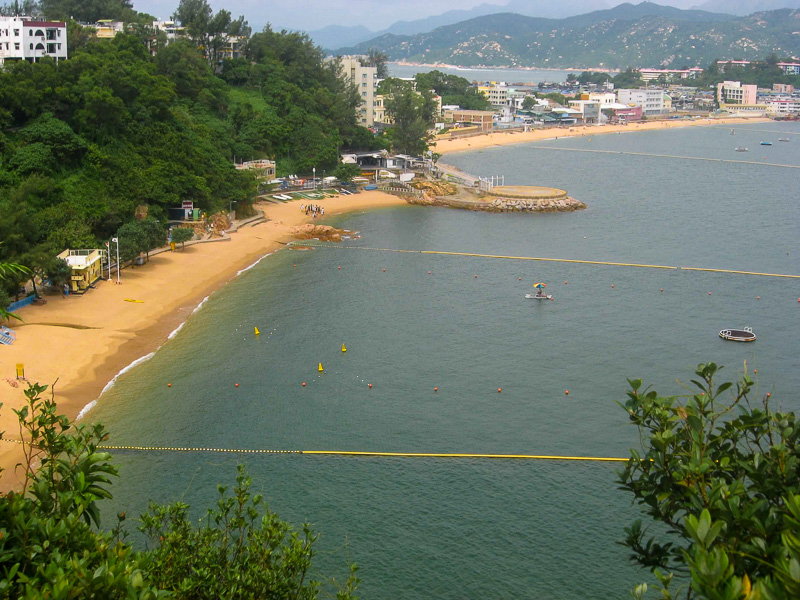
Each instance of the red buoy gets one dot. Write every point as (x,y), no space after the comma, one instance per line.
(384,270)
(236,384)
(429,272)
(709,293)
(566,392)
(370,385)
(662,289)
(768,394)
(758,297)
(304,384)
(340,268)
(499,390)
(169,385)
(565,283)
(436,389)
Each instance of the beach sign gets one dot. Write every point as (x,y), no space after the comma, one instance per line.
(20,371)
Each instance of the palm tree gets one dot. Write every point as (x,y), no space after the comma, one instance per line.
(7,269)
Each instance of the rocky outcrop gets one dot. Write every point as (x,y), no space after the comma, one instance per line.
(539,205)
(324,233)
(492,204)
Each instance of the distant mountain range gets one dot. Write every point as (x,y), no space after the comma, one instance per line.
(746,7)
(336,36)
(643,35)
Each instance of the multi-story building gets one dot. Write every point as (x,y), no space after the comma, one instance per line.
(22,38)
(496,93)
(790,68)
(784,106)
(651,100)
(669,74)
(107,28)
(589,110)
(366,81)
(733,92)
(783,88)
(604,99)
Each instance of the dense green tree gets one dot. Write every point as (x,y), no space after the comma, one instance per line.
(720,469)
(376,58)
(154,233)
(411,114)
(181,235)
(453,90)
(133,241)
(628,79)
(58,272)
(87,11)
(345,172)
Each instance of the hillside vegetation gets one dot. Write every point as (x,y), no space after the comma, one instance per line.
(646,35)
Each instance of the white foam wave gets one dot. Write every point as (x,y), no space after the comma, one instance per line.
(199,306)
(177,329)
(85,410)
(253,265)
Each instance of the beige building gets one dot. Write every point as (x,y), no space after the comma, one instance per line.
(733,92)
(479,118)
(366,81)
(86,265)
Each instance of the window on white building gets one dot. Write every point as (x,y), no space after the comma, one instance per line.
(16,46)
(16,32)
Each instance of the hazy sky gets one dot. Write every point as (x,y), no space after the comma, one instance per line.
(314,14)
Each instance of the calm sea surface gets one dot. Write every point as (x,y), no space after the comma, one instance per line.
(488,74)
(477,529)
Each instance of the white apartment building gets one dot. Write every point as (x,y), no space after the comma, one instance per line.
(651,101)
(784,106)
(366,80)
(22,38)
(604,99)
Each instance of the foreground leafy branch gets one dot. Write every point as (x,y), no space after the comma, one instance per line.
(50,546)
(720,470)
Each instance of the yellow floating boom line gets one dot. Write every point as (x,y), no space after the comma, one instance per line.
(740,272)
(561,260)
(357,453)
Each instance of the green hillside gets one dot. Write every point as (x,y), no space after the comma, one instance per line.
(641,36)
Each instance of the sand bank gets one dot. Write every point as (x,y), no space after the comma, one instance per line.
(84,341)
(506,138)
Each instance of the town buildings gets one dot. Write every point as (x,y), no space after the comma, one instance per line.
(23,38)
(733,92)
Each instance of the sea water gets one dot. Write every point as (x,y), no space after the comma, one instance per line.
(478,528)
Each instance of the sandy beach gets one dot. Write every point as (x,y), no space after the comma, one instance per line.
(515,137)
(84,341)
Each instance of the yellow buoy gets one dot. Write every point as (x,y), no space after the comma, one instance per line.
(343,348)
(257,331)
(320,368)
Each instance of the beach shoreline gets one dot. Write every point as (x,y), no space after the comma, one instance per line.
(506,138)
(85,342)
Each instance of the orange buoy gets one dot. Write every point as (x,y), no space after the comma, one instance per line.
(565,283)
(429,272)
(384,270)
(370,385)
(476,276)
(436,389)
(169,385)
(304,384)
(612,285)
(758,297)
(755,370)
(709,293)
(768,394)
(662,289)
(520,278)
(566,392)
(499,390)
(236,384)
(294,265)
(340,268)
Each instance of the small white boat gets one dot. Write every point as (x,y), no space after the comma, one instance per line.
(538,297)
(738,335)
(783,140)
(742,149)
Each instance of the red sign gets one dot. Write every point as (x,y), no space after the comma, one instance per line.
(187,204)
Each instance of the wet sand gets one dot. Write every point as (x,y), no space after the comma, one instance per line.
(84,341)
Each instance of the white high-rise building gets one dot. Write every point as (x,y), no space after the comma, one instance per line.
(23,38)
(651,100)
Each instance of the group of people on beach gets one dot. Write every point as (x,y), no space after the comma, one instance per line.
(312,209)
